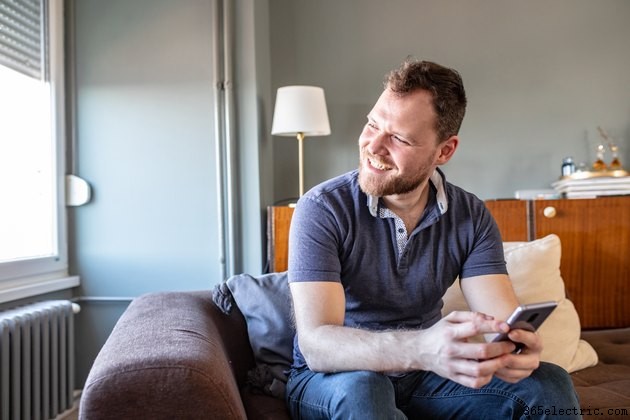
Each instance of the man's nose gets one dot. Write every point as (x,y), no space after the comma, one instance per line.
(377,144)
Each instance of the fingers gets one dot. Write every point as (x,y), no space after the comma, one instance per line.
(531,341)
(508,367)
(455,330)
(478,351)
(464,316)
(520,366)
(472,373)
(464,325)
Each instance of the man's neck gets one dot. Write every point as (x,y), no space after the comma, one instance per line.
(410,206)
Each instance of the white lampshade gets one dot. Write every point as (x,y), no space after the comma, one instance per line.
(300,109)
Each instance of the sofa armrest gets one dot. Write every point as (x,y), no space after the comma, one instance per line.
(168,357)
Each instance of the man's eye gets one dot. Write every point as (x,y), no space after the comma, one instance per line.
(399,140)
(371,125)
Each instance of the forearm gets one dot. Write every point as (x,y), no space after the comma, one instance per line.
(491,294)
(333,348)
(328,346)
(442,348)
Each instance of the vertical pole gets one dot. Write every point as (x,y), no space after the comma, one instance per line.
(225,137)
(219,94)
(300,137)
(231,166)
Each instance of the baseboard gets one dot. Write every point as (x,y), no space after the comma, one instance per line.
(73,412)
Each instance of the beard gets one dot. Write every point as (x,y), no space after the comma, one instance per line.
(388,183)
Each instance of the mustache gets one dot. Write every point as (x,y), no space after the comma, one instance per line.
(377,159)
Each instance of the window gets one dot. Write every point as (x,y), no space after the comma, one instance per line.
(32,211)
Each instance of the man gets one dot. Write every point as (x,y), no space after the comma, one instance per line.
(373,251)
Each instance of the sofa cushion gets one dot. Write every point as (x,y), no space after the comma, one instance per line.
(605,388)
(534,269)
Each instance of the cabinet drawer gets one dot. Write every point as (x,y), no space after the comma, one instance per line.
(511,217)
(595,265)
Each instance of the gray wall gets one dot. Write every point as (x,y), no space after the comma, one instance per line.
(540,75)
(145,142)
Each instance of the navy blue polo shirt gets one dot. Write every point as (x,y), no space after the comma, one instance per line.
(392,278)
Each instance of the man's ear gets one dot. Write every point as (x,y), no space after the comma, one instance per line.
(447,149)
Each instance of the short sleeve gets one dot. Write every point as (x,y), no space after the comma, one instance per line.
(314,242)
(486,255)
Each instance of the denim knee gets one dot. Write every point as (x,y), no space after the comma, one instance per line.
(344,395)
(360,394)
(551,385)
(365,386)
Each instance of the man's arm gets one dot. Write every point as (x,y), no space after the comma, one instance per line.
(328,346)
(494,295)
(490,294)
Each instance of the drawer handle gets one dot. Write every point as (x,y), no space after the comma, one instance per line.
(550,212)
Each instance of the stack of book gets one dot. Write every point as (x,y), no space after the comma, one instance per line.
(593,184)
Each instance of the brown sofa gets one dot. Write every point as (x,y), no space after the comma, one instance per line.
(176,355)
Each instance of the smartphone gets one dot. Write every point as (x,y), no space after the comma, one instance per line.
(527,317)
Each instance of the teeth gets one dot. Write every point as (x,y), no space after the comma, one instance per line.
(378,165)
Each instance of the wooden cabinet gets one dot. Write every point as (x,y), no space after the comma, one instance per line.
(595,236)
(278,224)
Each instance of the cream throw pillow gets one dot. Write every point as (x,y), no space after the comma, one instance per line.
(534,269)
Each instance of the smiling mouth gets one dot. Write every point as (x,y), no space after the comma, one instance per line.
(377,165)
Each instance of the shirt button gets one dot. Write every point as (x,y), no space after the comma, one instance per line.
(401,230)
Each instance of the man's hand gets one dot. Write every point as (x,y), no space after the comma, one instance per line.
(472,364)
(521,365)
(494,294)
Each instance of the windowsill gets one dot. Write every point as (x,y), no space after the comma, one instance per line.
(14,290)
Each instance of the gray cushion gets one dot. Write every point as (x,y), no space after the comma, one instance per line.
(265,302)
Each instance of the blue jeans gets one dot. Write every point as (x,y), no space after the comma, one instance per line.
(547,393)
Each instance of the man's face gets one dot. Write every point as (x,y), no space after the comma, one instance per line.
(398,146)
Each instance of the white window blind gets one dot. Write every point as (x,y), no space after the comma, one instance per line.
(23,45)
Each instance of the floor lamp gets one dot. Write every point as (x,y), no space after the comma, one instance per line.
(300,111)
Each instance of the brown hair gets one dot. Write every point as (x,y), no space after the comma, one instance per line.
(444,84)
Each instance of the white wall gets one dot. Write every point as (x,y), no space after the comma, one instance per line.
(540,76)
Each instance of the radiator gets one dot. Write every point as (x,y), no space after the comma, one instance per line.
(37,360)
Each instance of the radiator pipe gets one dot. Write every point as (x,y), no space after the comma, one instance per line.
(231,168)
(225,147)
(218,133)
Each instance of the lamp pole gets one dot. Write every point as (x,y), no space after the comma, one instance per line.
(300,138)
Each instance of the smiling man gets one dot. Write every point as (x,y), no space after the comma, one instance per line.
(371,254)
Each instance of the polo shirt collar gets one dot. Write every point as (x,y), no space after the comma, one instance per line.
(439,182)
